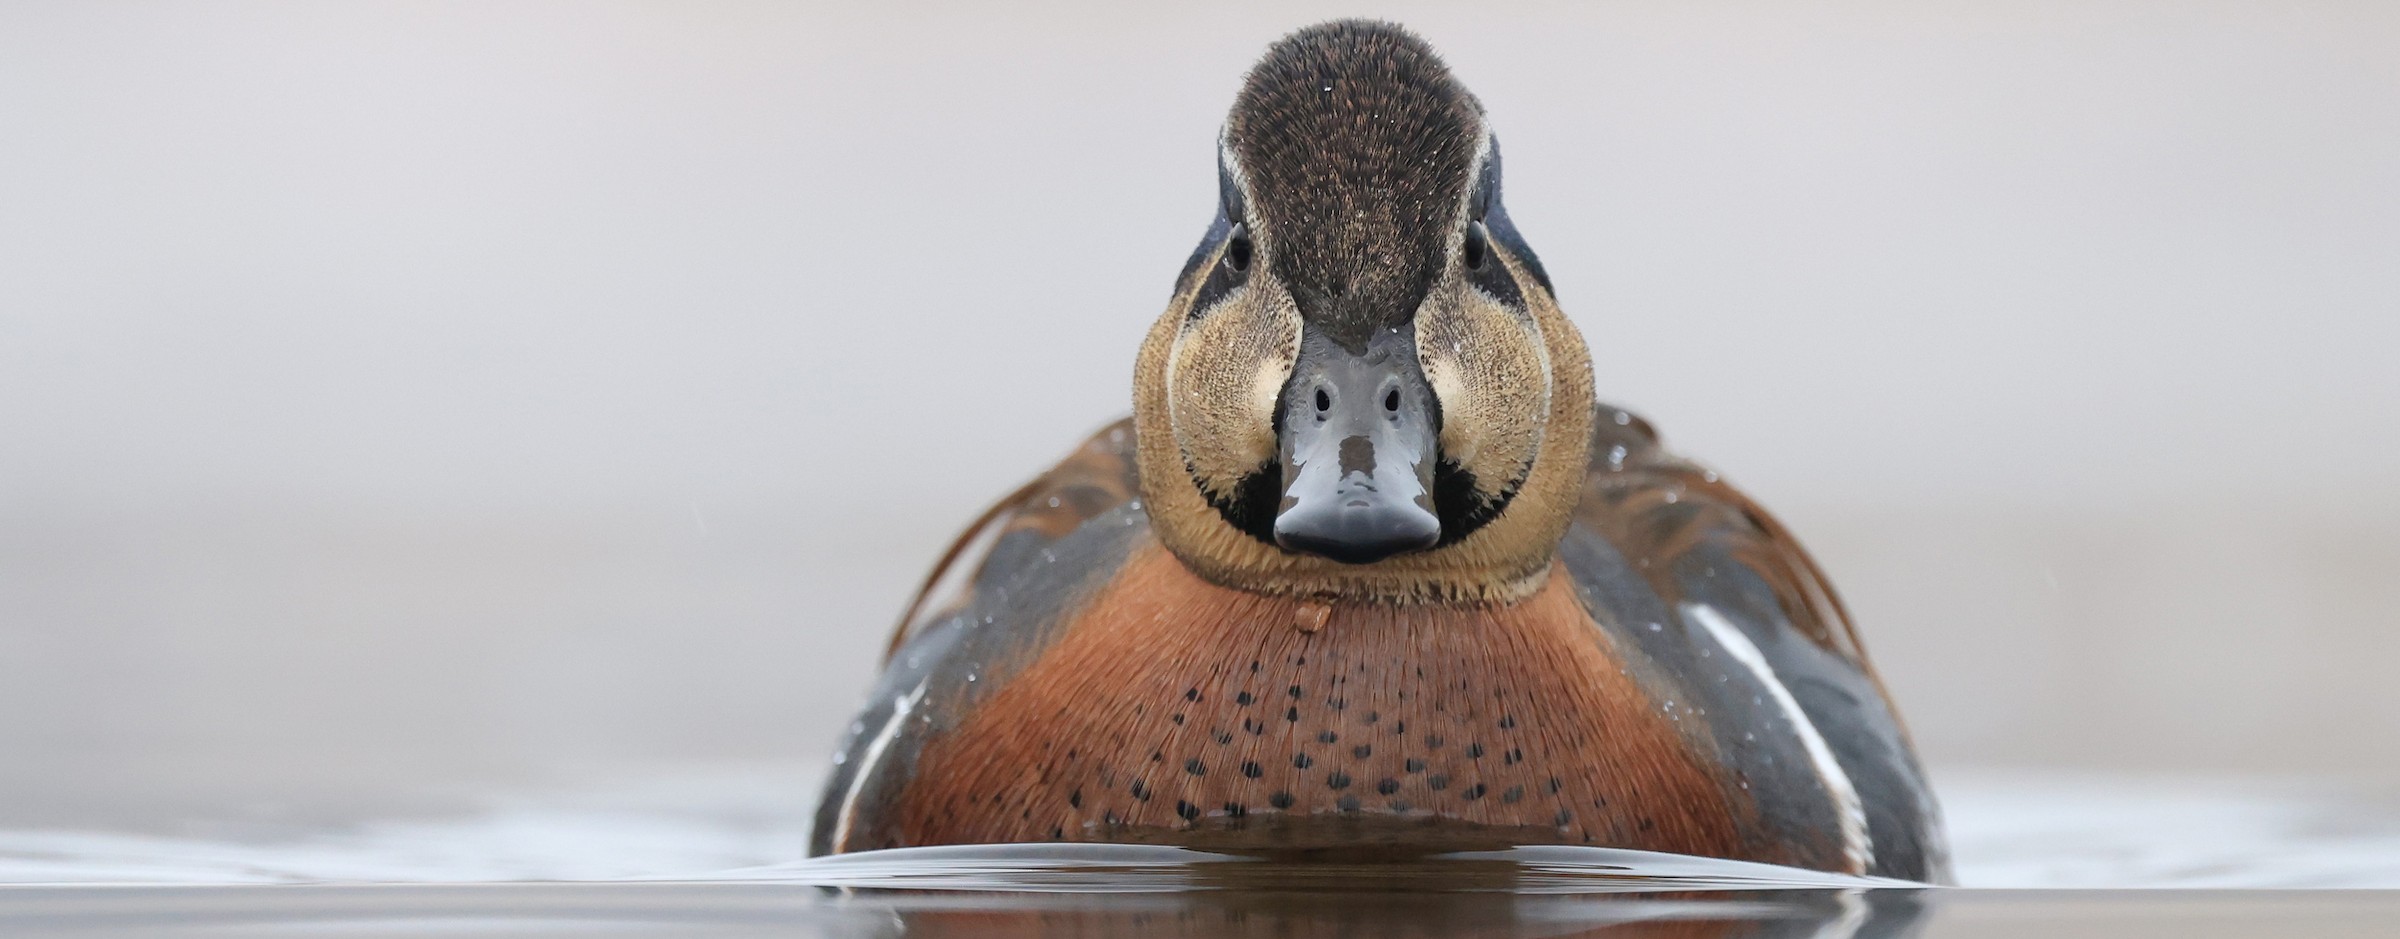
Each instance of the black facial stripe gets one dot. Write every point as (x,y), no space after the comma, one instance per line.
(1256,497)
(1230,203)
(1222,279)
(1496,282)
(1461,504)
(1218,229)
(1485,206)
(1504,233)
(1252,505)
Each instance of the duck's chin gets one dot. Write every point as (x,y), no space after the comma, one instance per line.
(1465,573)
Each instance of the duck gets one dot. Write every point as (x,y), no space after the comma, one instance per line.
(1370,569)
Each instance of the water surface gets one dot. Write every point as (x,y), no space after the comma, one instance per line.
(713,854)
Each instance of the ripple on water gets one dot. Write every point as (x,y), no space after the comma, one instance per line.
(1127,868)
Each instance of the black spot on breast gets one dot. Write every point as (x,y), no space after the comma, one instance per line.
(1363,751)
(1508,721)
(1328,736)
(1294,691)
(1291,714)
(1187,810)
(1471,793)
(1412,764)
(1075,799)
(1512,795)
(1433,741)
(1512,757)
(1474,751)
(1139,790)
(1387,786)
(1347,803)
(1195,767)
(1252,770)
(1243,698)
(1191,694)
(1281,800)
(1338,780)
(1437,782)
(1301,760)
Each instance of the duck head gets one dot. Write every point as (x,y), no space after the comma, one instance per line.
(1362,388)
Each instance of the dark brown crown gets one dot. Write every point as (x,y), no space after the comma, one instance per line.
(1357,146)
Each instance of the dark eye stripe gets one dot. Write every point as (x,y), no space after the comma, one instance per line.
(1504,234)
(1492,276)
(1218,230)
(1226,275)
(1485,206)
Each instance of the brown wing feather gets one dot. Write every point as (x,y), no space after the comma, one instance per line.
(1096,477)
(1657,505)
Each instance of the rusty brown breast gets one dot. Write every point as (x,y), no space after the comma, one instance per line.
(1684,681)
(1174,710)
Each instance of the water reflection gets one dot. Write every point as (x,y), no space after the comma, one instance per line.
(1131,868)
(1290,913)
(1067,890)
(741,911)
(778,910)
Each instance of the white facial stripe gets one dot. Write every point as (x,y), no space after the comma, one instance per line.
(1232,165)
(1849,813)
(1475,167)
(1466,194)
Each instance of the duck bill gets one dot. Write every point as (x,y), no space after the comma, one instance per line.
(1358,447)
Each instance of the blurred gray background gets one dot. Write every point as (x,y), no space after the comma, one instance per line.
(445,394)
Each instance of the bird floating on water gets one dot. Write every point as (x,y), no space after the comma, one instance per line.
(1370,569)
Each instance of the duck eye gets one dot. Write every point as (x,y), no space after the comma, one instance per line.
(1237,250)
(1475,248)
(1391,400)
(1323,403)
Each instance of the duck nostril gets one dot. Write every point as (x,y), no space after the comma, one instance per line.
(1324,402)
(1391,400)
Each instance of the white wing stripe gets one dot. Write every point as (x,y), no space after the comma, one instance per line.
(1849,812)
